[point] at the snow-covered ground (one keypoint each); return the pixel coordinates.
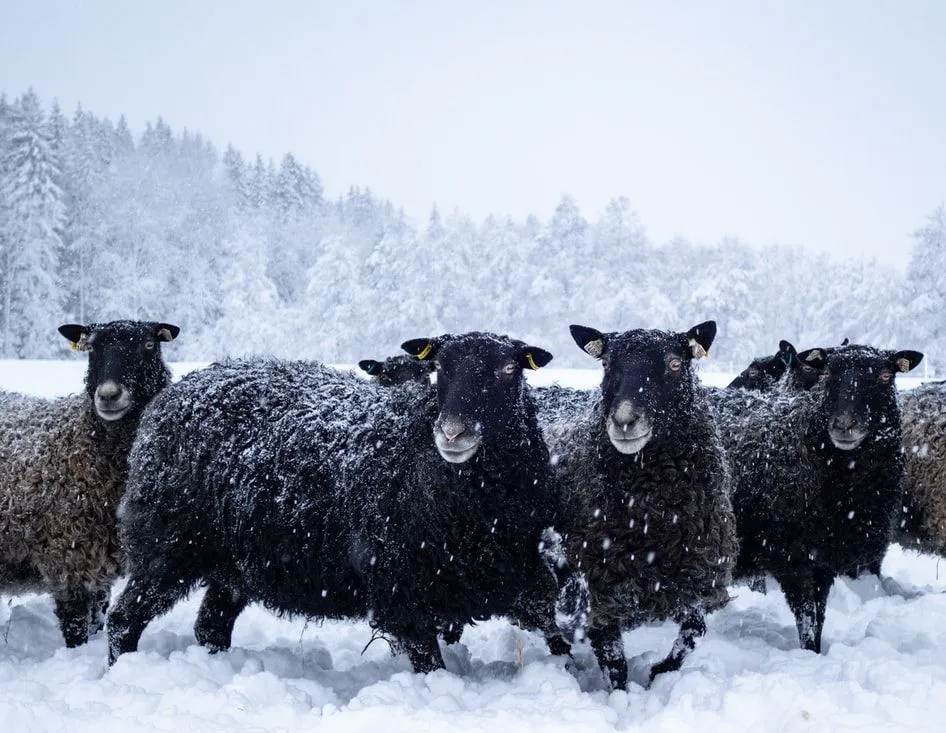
(884, 668)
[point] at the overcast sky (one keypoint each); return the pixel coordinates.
(806, 122)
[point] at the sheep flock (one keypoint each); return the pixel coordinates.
(438, 488)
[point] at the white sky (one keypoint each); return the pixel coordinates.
(798, 121)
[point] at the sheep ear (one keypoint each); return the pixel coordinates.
(421, 348)
(904, 361)
(76, 334)
(167, 332)
(589, 340)
(786, 352)
(371, 366)
(814, 358)
(846, 341)
(532, 357)
(700, 338)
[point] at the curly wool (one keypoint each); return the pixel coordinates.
(316, 492)
(653, 532)
(799, 501)
(63, 476)
(923, 422)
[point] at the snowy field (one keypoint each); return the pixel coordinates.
(884, 668)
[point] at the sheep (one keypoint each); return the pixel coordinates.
(764, 372)
(816, 477)
(318, 493)
(62, 472)
(923, 523)
(397, 370)
(645, 511)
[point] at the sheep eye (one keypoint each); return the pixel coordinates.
(149, 345)
(885, 376)
(675, 364)
(509, 369)
(437, 366)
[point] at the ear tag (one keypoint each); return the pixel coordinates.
(903, 364)
(165, 335)
(595, 348)
(426, 352)
(532, 364)
(697, 348)
(75, 346)
(814, 355)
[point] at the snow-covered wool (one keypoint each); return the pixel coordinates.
(398, 370)
(923, 525)
(817, 476)
(63, 464)
(317, 492)
(646, 515)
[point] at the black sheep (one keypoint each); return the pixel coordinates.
(646, 515)
(63, 468)
(315, 492)
(398, 370)
(763, 373)
(817, 476)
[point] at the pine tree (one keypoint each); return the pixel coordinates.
(32, 225)
(926, 286)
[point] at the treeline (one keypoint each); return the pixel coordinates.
(251, 256)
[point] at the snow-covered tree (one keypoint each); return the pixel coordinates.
(33, 217)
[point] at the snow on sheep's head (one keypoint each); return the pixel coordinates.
(479, 387)
(648, 379)
(125, 367)
(860, 392)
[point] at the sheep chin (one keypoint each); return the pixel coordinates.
(630, 446)
(112, 415)
(453, 453)
(842, 444)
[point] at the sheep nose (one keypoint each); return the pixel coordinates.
(452, 429)
(625, 414)
(108, 392)
(844, 422)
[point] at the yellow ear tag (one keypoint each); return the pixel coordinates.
(74, 345)
(425, 353)
(697, 349)
(595, 348)
(532, 364)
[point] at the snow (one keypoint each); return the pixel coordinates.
(884, 668)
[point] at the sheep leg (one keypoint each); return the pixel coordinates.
(140, 602)
(692, 628)
(452, 634)
(609, 650)
(424, 653)
(73, 609)
(217, 615)
(99, 607)
(807, 597)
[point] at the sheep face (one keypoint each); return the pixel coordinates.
(648, 379)
(480, 386)
(125, 366)
(762, 373)
(860, 391)
(398, 370)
